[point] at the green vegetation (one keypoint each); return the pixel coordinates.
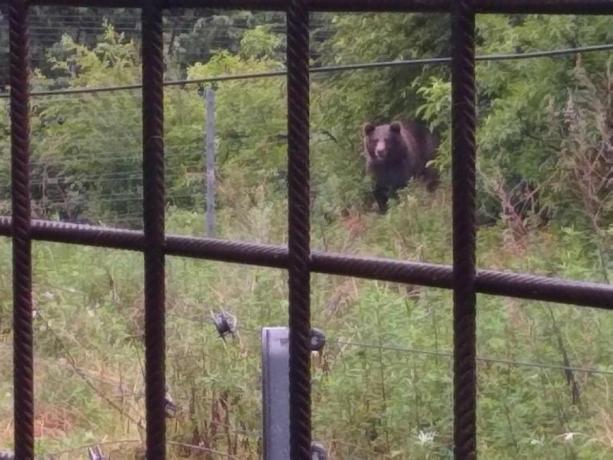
(545, 191)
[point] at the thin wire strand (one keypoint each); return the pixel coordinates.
(137, 441)
(326, 69)
(418, 351)
(101, 443)
(449, 354)
(202, 449)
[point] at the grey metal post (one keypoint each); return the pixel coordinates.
(275, 392)
(209, 97)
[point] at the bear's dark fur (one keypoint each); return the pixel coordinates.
(396, 153)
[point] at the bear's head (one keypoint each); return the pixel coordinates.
(381, 142)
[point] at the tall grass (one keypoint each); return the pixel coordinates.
(382, 388)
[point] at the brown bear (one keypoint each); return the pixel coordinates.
(396, 153)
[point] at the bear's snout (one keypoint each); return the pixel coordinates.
(380, 150)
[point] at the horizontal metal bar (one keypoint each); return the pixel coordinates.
(544, 6)
(272, 5)
(328, 69)
(481, 6)
(518, 285)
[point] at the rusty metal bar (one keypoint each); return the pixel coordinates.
(481, 6)
(544, 6)
(23, 378)
(153, 213)
(463, 121)
(518, 285)
(298, 229)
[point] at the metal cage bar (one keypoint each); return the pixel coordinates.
(441, 6)
(153, 213)
(298, 229)
(510, 284)
(23, 359)
(463, 277)
(23, 373)
(464, 228)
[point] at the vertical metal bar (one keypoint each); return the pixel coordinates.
(299, 228)
(153, 200)
(23, 385)
(210, 162)
(464, 272)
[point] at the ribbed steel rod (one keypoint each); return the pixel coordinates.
(463, 121)
(153, 213)
(23, 385)
(509, 284)
(441, 6)
(298, 256)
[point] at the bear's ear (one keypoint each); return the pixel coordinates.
(395, 127)
(368, 128)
